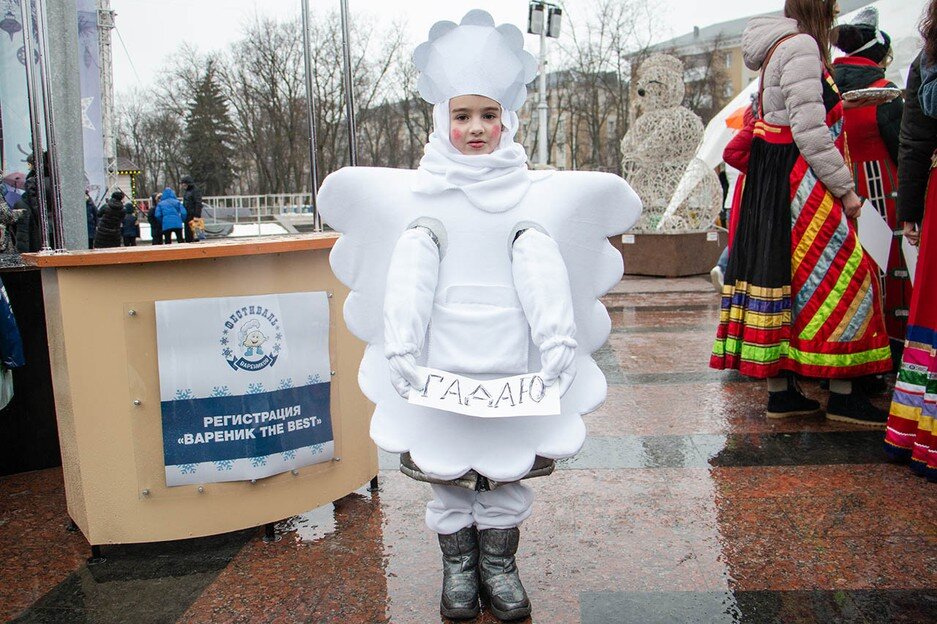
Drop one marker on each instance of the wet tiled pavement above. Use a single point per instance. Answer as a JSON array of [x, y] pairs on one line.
[[685, 505]]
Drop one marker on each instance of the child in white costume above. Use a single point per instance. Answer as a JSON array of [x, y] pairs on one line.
[[475, 265]]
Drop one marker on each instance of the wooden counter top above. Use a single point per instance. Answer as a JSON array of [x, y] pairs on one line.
[[183, 251]]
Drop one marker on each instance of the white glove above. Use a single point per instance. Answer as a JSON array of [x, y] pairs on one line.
[[403, 374], [558, 362], [408, 305], [542, 285]]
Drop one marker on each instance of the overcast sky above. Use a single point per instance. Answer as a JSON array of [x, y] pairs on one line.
[[145, 26]]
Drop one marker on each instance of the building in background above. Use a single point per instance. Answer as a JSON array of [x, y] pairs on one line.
[[127, 173], [712, 56]]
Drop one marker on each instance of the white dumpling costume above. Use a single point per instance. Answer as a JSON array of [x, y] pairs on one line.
[[468, 299]]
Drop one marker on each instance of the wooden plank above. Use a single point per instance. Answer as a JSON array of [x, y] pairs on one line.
[[184, 251]]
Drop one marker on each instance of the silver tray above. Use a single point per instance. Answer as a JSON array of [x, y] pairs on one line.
[[873, 96]]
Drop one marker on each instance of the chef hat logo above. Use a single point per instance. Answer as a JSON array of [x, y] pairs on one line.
[[475, 57]]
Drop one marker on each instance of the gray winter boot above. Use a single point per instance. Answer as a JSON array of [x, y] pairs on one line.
[[501, 586], [459, 574]]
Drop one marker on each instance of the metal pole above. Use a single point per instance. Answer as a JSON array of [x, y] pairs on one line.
[[58, 228], [32, 91], [310, 110], [349, 88], [105, 26], [542, 135]]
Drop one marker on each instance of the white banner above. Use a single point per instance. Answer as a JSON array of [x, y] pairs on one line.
[[14, 102], [244, 386], [520, 395]]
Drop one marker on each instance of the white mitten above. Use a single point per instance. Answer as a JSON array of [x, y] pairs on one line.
[[408, 304], [403, 374], [542, 284], [558, 360]]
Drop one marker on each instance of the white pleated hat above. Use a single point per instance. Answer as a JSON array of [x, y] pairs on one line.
[[475, 57]]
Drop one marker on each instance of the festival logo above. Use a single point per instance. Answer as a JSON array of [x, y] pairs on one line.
[[252, 338]]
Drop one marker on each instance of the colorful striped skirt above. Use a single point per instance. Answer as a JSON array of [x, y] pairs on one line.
[[800, 293], [911, 420]]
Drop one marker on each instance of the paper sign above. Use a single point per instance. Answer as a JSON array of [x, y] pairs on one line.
[[712, 236], [627, 239], [520, 395], [910, 257], [874, 235]]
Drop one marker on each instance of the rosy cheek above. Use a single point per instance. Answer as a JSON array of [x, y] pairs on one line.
[[496, 132], [455, 135]]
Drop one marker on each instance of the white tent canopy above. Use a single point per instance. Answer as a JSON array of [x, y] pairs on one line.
[[899, 18], [717, 134]]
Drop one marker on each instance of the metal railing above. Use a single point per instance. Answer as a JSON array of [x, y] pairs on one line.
[[246, 209]]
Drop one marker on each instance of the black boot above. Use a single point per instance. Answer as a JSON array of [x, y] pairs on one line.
[[501, 586], [790, 402], [855, 408], [459, 574]]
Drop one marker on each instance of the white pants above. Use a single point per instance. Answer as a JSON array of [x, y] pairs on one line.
[[455, 508]]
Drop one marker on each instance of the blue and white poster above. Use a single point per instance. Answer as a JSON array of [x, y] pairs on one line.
[[244, 386]]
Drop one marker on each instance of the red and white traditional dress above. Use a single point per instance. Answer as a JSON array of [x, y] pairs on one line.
[[872, 144]]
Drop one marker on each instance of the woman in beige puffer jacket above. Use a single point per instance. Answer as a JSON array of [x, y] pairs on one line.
[[800, 294]]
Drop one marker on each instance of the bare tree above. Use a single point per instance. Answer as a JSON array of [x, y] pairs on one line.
[[261, 76], [373, 58], [415, 112], [149, 134], [598, 55], [706, 93], [182, 73], [376, 94]]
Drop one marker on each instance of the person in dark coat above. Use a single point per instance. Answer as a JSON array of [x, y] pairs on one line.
[[29, 229], [130, 227], [171, 215], [156, 229], [110, 219], [918, 143], [92, 215], [192, 200]]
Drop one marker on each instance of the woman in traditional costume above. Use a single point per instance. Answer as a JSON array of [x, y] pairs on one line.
[[872, 145], [911, 432], [801, 295], [474, 265]]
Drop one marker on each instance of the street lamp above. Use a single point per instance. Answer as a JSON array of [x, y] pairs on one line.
[[544, 19]]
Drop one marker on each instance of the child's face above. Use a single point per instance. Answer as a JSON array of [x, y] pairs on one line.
[[474, 124]]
